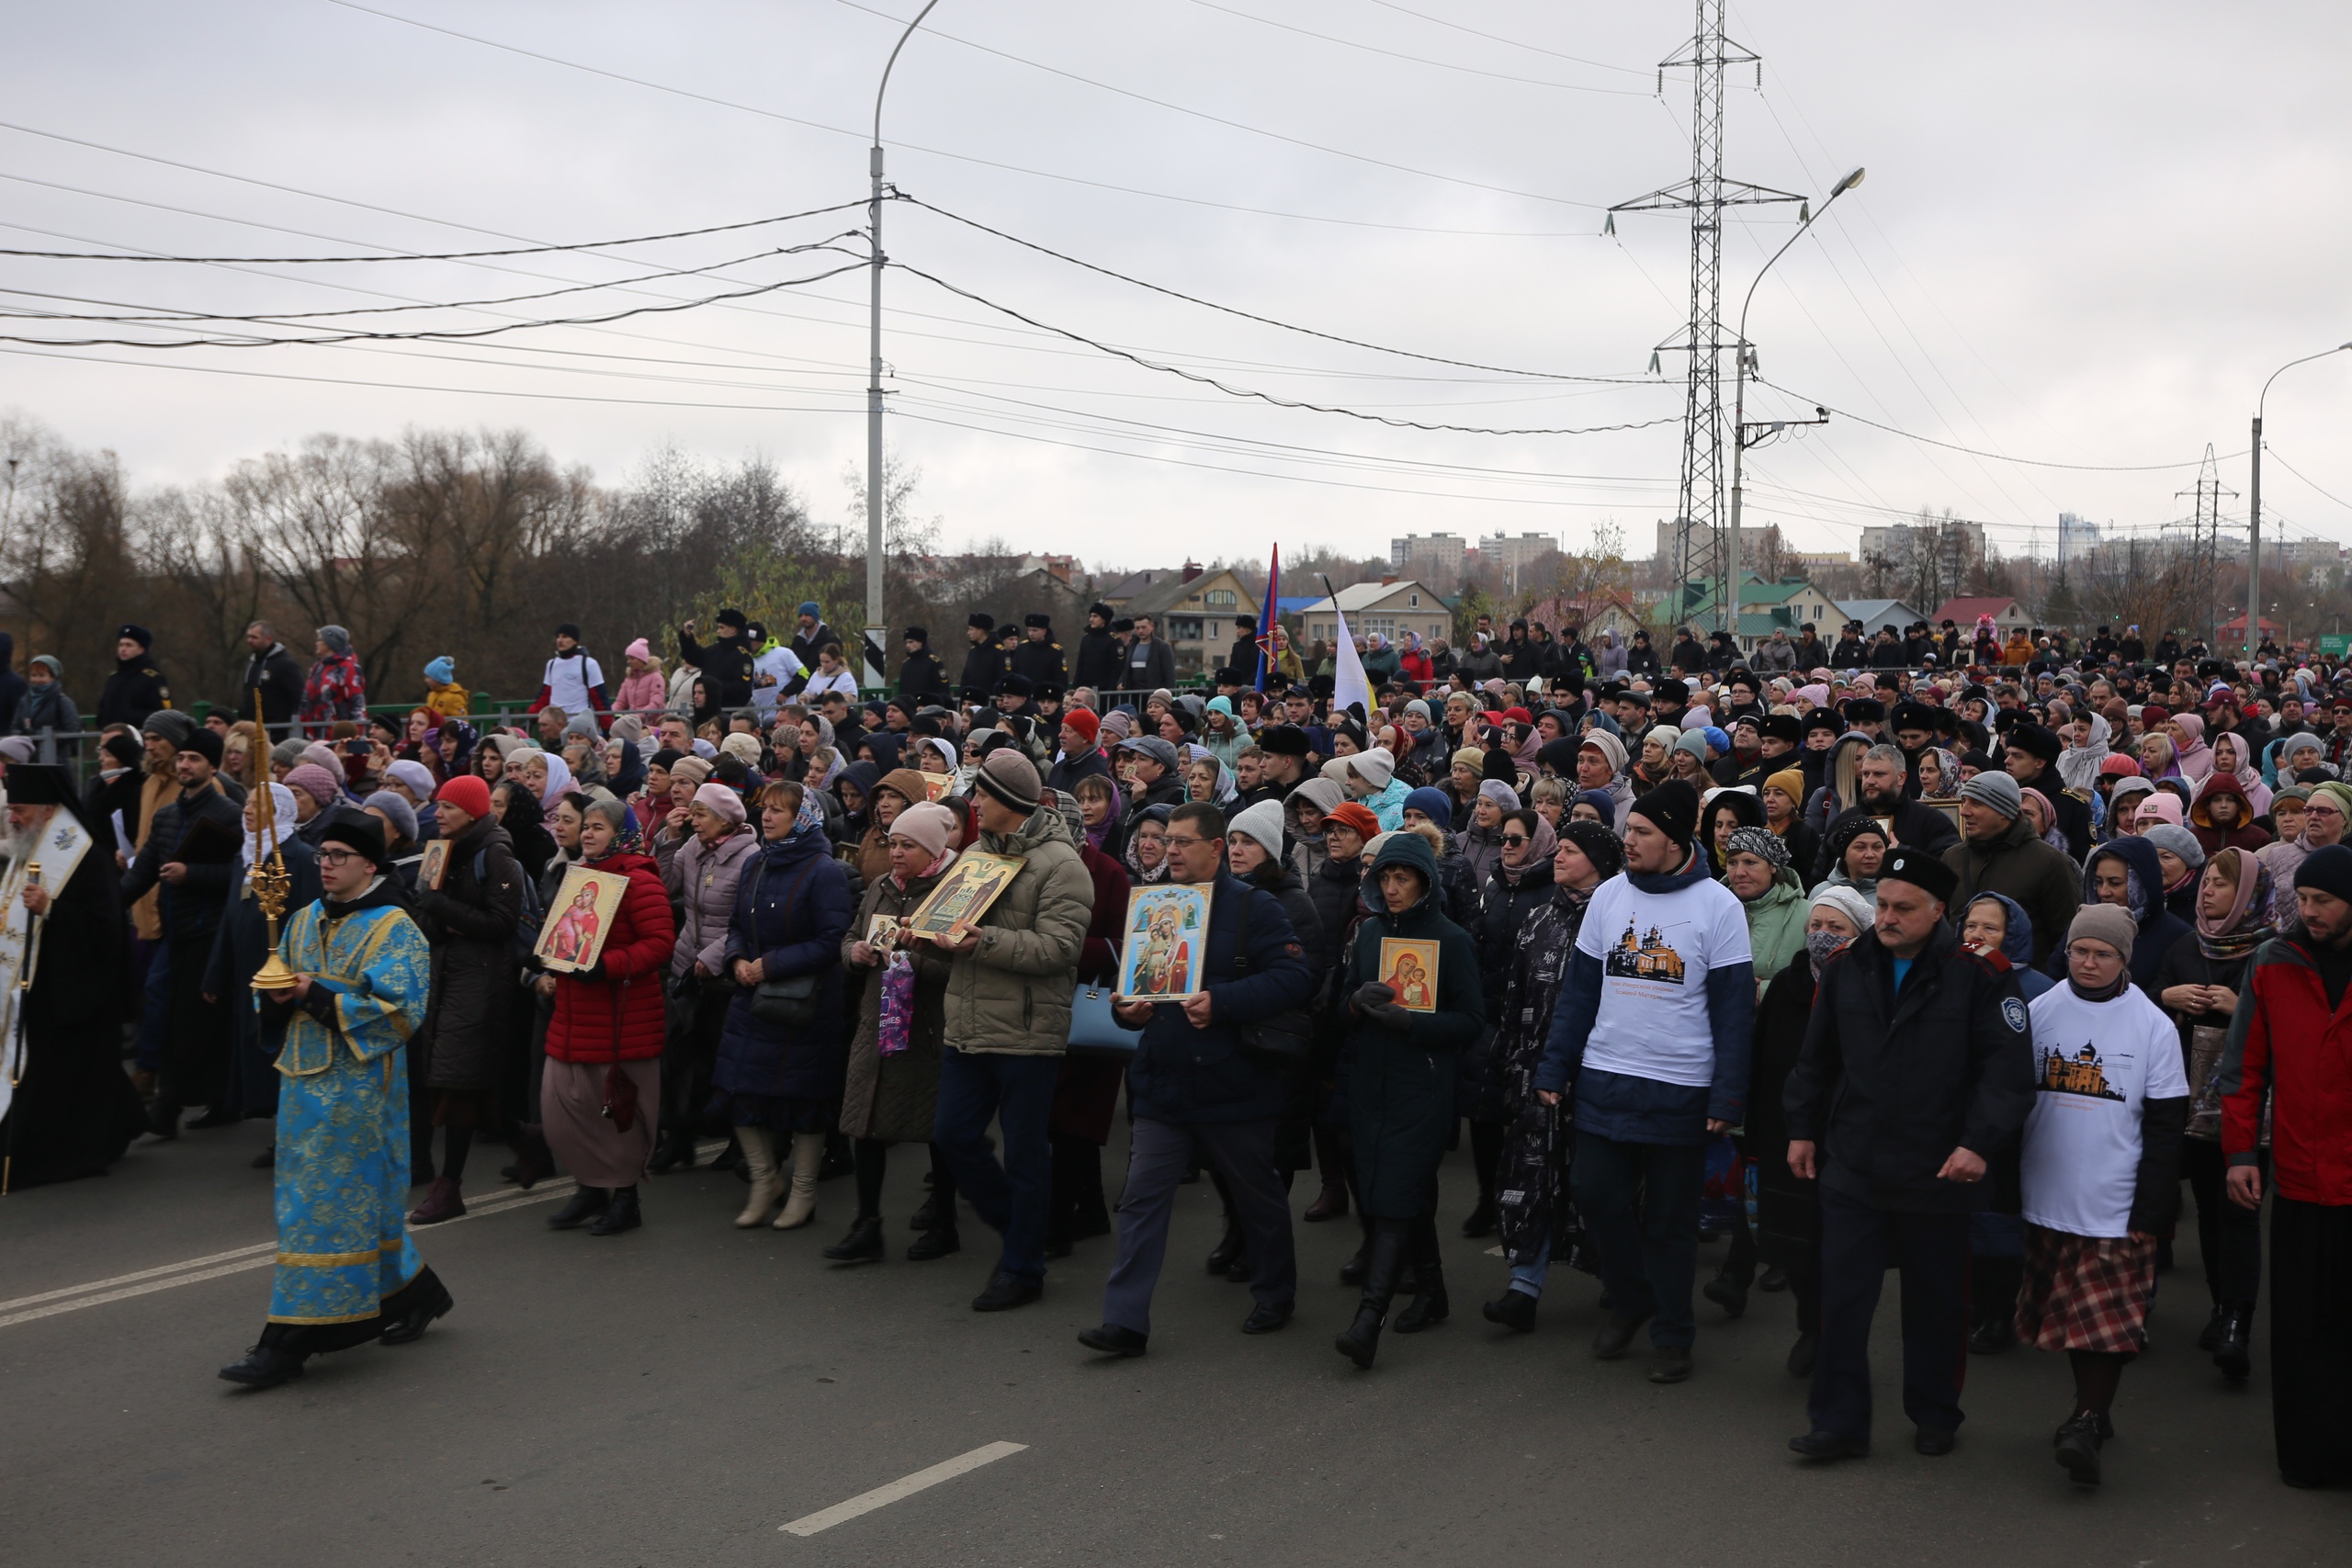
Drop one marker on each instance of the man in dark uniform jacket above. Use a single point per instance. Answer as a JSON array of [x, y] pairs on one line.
[[1916, 1074], [1040, 658], [920, 675], [136, 688], [725, 662], [1100, 659], [984, 668]]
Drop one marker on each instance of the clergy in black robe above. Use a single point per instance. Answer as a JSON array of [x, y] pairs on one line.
[[69, 1108]]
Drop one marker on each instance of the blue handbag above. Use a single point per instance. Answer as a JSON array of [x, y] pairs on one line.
[[1093, 1031]]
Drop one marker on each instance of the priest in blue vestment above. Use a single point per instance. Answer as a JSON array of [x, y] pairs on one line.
[[347, 1269]]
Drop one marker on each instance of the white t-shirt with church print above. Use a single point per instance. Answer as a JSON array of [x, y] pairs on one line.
[[1655, 952], [2095, 1066]]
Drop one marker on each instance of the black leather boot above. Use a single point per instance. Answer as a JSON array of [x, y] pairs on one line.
[[273, 1361], [621, 1214], [1384, 1257], [862, 1244], [1221, 1256], [2234, 1352], [1429, 1306], [676, 1153], [1351, 1271], [586, 1203], [412, 1312]]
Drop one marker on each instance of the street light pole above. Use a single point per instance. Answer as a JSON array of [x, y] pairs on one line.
[[2254, 508], [1740, 400], [876, 632]]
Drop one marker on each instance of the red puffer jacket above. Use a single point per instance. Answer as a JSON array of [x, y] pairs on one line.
[[2285, 1040], [619, 1015]]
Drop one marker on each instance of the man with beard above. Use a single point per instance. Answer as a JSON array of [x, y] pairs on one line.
[[191, 852], [66, 1110], [1882, 778]]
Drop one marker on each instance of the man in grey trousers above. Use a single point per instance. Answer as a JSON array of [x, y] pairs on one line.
[[1195, 1085]]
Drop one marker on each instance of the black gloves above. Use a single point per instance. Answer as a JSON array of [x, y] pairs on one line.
[[1378, 1002]]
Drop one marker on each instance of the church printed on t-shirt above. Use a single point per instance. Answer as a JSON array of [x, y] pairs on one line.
[[1648, 958], [2082, 1073]]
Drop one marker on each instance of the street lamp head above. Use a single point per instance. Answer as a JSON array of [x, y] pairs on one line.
[[1848, 183]]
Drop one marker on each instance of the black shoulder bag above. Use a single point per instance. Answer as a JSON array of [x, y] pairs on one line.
[[1289, 1035]]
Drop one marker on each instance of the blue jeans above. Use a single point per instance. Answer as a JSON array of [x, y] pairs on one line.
[[1013, 1197], [1640, 1205]]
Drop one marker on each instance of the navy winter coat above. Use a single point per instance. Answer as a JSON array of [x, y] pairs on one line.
[[792, 908], [1183, 1075]]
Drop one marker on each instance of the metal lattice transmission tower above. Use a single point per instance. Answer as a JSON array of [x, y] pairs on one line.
[[1702, 515], [2201, 592]]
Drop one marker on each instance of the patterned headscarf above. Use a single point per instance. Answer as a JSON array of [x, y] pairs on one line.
[[1763, 843]]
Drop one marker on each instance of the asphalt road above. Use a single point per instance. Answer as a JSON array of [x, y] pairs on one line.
[[676, 1395]]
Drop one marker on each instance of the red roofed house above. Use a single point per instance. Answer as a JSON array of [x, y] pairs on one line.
[[2007, 613]]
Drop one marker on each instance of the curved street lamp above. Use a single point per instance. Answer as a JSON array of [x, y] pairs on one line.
[[2254, 508], [1740, 357], [877, 633]]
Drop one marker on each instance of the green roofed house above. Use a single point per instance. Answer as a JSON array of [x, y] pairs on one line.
[[1790, 605]]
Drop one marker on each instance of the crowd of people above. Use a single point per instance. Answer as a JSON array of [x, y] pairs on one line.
[[1960, 959]]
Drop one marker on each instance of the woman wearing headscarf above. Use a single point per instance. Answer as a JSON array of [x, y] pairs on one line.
[[2233, 758], [1539, 1225], [1481, 842], [890, 1092], [1517, 884], [2222, 816], [545, 774], [1937, 772], [1147, 850], [784, 1077], [599, 1090], [852, 792], [2192, 756], [1788, 1211], [2200, 985], [2086, 748], [525, 822], [702, 855], [1400, 1100], [1303, 810]]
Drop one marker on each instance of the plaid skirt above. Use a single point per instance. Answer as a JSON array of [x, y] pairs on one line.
[[2086, 1292]]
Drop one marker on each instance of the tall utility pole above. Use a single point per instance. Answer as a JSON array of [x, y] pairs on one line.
[[2254, 508], [878, 635], [2204, 585], [1701, 550]]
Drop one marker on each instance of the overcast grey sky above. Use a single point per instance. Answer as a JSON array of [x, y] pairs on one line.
[[2088, 232]]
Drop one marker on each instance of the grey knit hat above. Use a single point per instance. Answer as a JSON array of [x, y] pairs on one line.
[[1997, 790]]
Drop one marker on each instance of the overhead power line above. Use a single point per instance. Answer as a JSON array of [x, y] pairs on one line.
[[1230, 391], [1979, 452], [257, 341], [165, 318], [421, 255], [1267, 321], [1420, 59]]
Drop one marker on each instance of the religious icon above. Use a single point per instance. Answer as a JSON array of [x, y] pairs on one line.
[[935, 787], [1166, 943], [964, 894], [1409, 967], [580, 919], [430, 875]]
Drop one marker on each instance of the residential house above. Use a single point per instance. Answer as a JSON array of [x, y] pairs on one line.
[[1876, 614], [1391, 607], [1194, 610], [2008, 615], [1790, 605]]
